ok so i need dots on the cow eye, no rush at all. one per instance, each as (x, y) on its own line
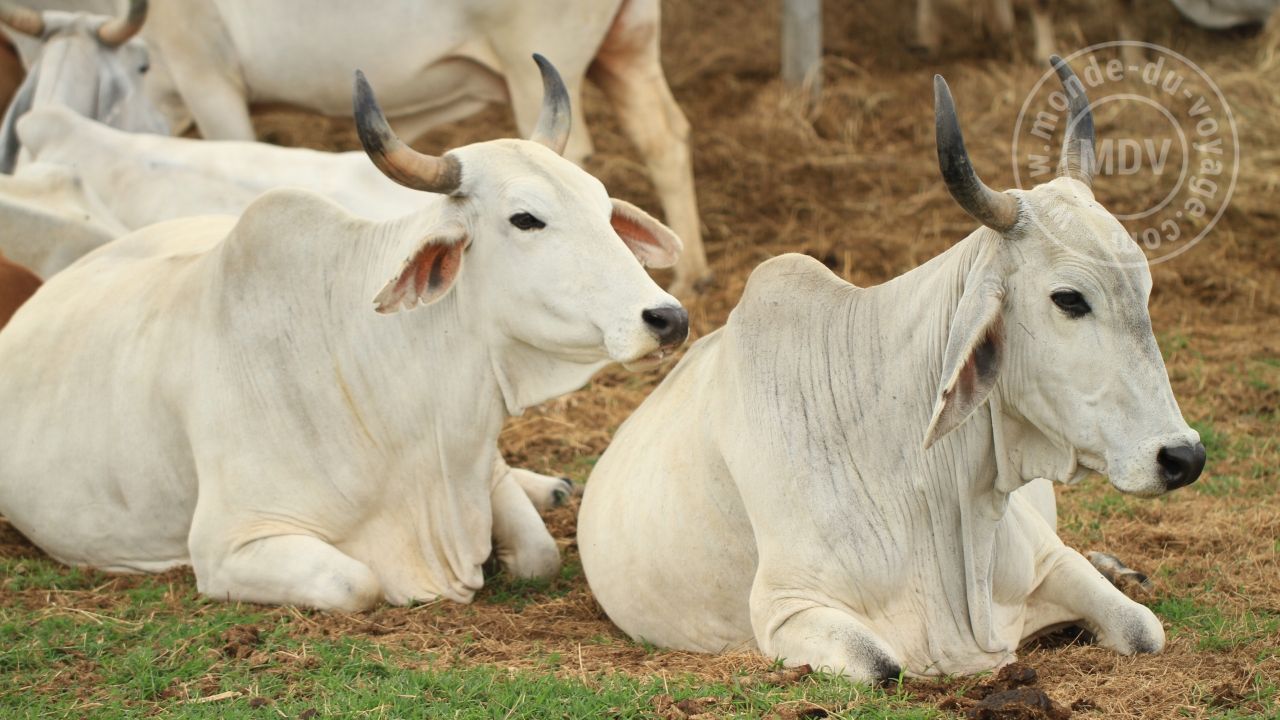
(1071, 302)
(143, 68)
(525, 221)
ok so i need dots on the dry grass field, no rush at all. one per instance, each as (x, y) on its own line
(855, 184)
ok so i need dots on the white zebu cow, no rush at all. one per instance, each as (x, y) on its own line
(775, 491)
(48, 219)
(89, 63)
(221, 392)
(436, 61)
(142, 179)
(1223, 14)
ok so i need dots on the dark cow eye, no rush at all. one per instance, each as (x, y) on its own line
(143, 68)
(1071, 302)
(525, 221)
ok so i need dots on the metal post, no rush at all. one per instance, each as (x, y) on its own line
(802, 45)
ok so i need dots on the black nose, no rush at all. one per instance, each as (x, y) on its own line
(1180, 465)
(670, 324)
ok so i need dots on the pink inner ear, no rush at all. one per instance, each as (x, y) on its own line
(427, 276)
(636, 236)
(631, 231)
(434, 269)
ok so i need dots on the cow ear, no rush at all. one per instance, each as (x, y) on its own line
(427, 274)
(653, 243)
(974, 354)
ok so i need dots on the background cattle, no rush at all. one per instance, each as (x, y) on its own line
(997, 20)
(17, 284)
(264, 400)
(1223, 14)
(850, 478)
(49, 219)
(437, 62)
(90, 63)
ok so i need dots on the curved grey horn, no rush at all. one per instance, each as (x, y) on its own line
(395, 159)
(996, 210)
(1077, 147)
(117, 31)
(23, 19)
(556, 118)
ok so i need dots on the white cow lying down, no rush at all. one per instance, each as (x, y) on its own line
(221, 392)
(49, 219)
(1222, 14)
(91, 63)
(142, 179)
(774, 491)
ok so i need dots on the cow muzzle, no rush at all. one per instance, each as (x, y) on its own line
(1180, 465)
(669, 324)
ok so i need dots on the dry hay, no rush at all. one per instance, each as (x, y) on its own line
(855, 184)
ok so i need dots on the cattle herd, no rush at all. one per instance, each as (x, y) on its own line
(288, 369)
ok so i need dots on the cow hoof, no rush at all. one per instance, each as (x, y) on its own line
(886, 673)
(561, 494)
(1138, 632)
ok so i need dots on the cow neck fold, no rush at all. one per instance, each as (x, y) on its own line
(458, 373)
(959, 472)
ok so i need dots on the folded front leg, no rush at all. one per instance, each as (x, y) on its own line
(823, 638)
(544, 491)
(1074, 589)
(520, 539)
(286, 570)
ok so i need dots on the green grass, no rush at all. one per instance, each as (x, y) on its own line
(165, 649)
(1211, 628)
(1214, 441)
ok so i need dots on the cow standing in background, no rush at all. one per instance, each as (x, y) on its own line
(304, 404)
(437, 61)
(856, 478)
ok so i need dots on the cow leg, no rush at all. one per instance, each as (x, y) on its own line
(544, 491)
(927, 36)
(1073, 590)
(1132, 55)
(220, 109)
(520, 539)
(628, 68)
(1042, 27)
(999, 23)
(203, 66)
(285, 570)
(824, 638)
(525, 88)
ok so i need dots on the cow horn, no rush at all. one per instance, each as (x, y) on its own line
(117, 31)
(555, 120)
(1077, 147)
(998, 211)
(395, 159)
(23, 19)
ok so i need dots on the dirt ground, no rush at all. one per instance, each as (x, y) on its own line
(855, 183)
